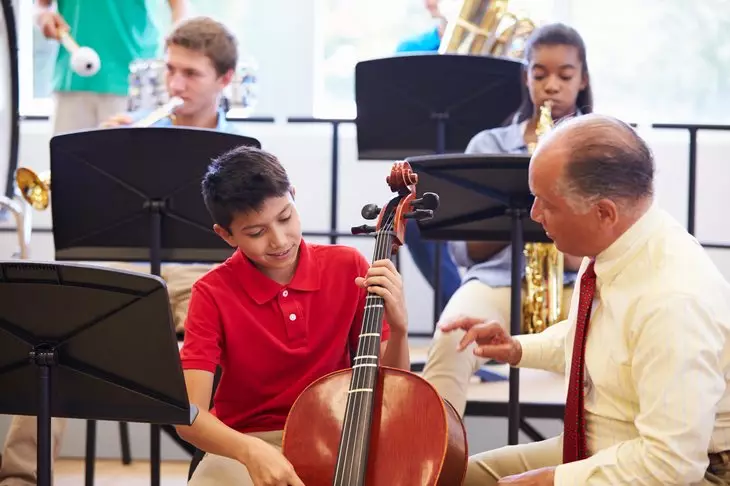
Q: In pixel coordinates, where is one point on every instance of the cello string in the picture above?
(366, 374)
(356, 404)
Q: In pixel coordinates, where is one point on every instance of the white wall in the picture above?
(284, 48)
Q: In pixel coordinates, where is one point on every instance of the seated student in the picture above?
(556, 70)
(276, 316)
(201, 56)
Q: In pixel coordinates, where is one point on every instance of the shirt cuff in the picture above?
(571, 474)
(532, 351)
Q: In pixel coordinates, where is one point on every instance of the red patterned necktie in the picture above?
(574, 436)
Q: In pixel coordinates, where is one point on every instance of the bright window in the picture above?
(357, 30)
(658, 60)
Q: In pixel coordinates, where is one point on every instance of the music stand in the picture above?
(487, 198)
(65, 330)
(424, 104)
(133, 195)
(421, 104)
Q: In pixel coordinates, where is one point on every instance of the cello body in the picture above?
(373, 425)
(416, 439)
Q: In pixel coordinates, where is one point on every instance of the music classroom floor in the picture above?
(111, 472)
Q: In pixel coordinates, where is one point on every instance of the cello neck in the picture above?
(355, 439)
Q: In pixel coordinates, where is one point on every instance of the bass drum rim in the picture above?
(14, 108)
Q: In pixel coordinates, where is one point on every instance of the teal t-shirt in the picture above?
(120, 31)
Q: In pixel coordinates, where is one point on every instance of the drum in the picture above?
(147, 90)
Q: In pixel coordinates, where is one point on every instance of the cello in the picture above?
(372, 425)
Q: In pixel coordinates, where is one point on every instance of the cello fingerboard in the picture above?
(355, 439)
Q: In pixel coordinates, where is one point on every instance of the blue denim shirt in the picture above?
(497, 271)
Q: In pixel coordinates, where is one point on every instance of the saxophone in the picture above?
(542, 291)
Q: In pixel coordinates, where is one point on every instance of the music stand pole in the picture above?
(513, 406)
(155, 207)
(44, 358)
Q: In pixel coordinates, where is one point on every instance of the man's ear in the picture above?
(292, 191)
(608, 212)
(225, 235)
(227, 78)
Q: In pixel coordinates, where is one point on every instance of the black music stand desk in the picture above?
(419, 104)
(67, 332)
(487, 198)
(422, 104)
(134, 195)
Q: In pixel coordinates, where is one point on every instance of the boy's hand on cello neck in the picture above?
(384, 280)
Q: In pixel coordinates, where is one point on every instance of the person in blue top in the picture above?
(556, 69)
(201, 56)
(430, 40)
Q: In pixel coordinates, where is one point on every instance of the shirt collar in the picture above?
(262, 288)
(611, 261)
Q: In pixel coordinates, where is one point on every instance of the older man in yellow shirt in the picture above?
(645, 347)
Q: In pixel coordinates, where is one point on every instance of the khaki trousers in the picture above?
(20, 453)
(487, 468)
(221, 471)
(449, 370)
(79, 110)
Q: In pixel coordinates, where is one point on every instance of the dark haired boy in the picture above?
(276, 316)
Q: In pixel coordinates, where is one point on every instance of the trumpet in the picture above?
(32, 192)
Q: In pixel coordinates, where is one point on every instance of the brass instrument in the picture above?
(542, 292)
(486, 27)
(32, 192)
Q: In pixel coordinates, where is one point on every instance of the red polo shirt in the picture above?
(273, 340)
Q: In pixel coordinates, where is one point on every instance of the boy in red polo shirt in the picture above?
(277, 315)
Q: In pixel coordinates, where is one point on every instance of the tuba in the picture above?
(32, 192)
(486, 27)
(542, 292)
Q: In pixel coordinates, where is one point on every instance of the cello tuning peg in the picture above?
(429, 200)
(370, 211)
(362, 229)
(419, 214)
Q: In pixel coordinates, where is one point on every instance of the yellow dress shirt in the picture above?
(657, 358)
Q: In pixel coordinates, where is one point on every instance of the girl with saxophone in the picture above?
(556, 86)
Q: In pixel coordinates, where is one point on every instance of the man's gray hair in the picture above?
(606, 159)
